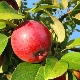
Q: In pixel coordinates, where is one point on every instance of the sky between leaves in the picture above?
(75, 33)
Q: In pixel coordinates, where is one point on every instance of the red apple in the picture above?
(31, 41)
(63, 77)
(13, 3)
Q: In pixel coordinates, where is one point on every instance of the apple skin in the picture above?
(63, 77)
(13, 3)
(77, 74)
(31, 41)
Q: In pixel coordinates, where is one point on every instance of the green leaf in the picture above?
(73, 59)
(58, 69)
(7, 12)
(73, 43)
(5, 7)
(57, 27)
(6, 16)
(25, 71)
(77, 16)
(59, 30)
(45, 7)
(2, 25)
(50, 63)
(72, 1)
(3, 42)
(40, 74)
(55, 2)
(19, 3)
(64, 3)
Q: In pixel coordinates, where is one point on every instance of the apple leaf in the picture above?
(6, 16)
(73, 43)
(40, 74)
(50, 63)
(25, 71)
(7, 12)
(77, 16)
(55, 2)
(57, 70)
(57, 27)
(64, 3)
(45, 7)
(3, 42)
(73, 59)
(19, 2)
(2, 25)
(59, 30)
(5, 7)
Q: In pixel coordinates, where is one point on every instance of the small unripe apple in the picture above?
(31, 41)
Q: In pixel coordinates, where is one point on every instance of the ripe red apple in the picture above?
(31, 41)
(13, 3)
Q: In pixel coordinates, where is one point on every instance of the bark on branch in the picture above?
(75, 49)
(64, 16)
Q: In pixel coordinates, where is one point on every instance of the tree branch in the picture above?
(75, 49)
(65, 15)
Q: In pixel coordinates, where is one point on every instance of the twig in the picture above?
(75, 49)
(65, 15)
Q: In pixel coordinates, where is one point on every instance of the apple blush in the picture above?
(31, 41)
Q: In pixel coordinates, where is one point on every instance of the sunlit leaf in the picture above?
(3, 42)
(73, 43)
(7, 15)
(7, 12)
(25, 71)
(59, 30)
(57, 70)
(40, 74)
(57, 27)
(49, 2)
(45, 7)
(64, 3)
(77, 16)
(50, 63)
(73, 59)
(19, 3)
(55, 2)
(5, 7)
(2, 25)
